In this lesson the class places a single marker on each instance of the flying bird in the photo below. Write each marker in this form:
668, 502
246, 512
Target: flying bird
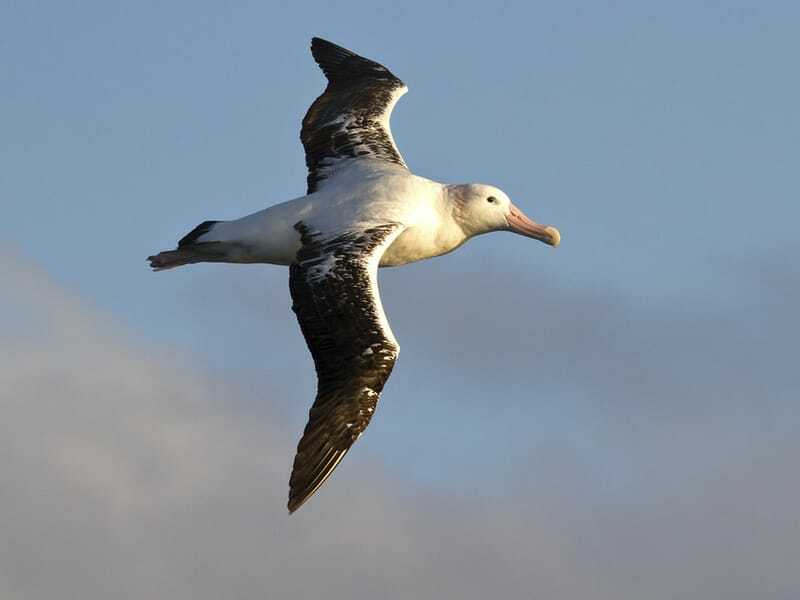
364, 209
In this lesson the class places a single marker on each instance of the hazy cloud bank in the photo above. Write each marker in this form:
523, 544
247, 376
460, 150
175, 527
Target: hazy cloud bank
128, 473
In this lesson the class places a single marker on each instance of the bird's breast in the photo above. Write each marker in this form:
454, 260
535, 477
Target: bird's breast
421, 242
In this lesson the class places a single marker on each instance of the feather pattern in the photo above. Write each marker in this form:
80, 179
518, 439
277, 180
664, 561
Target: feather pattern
350, 120
335, 297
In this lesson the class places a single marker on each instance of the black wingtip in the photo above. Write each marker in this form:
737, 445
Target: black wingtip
297, 500
339, 63
331, 57
322, 47
294, 504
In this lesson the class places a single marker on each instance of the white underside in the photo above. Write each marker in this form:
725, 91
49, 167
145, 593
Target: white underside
363, 193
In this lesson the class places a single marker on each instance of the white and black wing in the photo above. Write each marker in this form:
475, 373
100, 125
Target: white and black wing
351, 118
334, 286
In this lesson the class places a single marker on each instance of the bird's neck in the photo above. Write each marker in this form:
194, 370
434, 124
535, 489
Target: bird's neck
455, 205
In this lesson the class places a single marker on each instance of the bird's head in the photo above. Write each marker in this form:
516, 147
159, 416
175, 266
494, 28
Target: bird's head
480, 208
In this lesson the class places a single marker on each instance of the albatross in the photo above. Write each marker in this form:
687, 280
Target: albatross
363, 209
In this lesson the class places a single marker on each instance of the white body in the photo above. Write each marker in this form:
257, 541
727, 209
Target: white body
365, 193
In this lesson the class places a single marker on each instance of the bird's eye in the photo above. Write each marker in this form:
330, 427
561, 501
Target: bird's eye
491, 200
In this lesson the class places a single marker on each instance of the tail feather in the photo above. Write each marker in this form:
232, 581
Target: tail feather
194, 253
194, 234
169, 259
191, 250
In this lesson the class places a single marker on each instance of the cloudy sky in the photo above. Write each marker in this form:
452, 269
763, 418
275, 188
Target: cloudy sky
616, 418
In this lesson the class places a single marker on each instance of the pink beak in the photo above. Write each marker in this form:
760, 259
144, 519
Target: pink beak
519, 223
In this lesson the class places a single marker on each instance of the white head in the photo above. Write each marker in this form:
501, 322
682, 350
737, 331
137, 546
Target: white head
480, 208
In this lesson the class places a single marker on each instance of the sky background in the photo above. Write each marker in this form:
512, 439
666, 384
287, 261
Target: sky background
616, 418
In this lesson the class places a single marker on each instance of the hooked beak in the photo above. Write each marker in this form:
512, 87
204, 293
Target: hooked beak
519, 223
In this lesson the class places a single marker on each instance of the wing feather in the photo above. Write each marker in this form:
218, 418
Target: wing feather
350, 120
336, 300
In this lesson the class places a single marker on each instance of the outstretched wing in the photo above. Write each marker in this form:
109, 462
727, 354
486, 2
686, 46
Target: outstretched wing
351, 118
335, 295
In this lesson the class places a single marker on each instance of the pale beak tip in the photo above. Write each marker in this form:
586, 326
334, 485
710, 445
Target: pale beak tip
555, 236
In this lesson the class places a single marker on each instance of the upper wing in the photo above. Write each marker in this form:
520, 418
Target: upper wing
351, 118
334, 290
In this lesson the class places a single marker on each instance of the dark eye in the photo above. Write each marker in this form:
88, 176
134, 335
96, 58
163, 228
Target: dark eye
491, 200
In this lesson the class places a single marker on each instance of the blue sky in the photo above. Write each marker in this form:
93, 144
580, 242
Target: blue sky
658, 139
662, 140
